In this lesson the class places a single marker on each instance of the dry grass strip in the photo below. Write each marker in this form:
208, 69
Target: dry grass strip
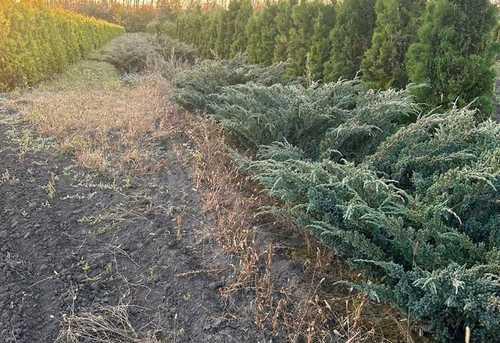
108, 129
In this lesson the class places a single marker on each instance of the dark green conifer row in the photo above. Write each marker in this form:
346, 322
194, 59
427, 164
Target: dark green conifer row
447, 46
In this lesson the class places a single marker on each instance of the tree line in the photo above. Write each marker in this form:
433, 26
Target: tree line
134, 15
37, 41
444, 46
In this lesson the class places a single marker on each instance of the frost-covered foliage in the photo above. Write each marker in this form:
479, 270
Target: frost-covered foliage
437, 239
339, 119
415, 205
435, 144
376, 115
258, 114
258, 107
452, 160
447, 299
364, 216
210, 76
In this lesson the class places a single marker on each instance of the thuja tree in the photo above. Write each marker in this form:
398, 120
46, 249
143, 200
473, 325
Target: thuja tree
320, 46
199, 28
384, 64
207, 45
189, 26
261, 34
303, 17
351, 37
239, 39
454, 54
231, 28
283, 23
224, 33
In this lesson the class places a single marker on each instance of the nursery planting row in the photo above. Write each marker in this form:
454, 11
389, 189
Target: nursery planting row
447, 46
37, 41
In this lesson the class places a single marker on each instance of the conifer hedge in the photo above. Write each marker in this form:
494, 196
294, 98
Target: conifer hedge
445, 45
288, 30
37, 41
350, 38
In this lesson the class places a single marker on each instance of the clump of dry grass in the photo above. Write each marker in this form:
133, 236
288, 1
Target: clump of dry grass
109, 324
105, 128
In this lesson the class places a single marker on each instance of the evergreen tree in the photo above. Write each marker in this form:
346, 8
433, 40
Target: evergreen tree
231, 26
303, 17
350, 38
239, 39
224, 34
210, 34
454, 54
384, 64
319, 52
189, 29
283, 23
261, 35
253, 34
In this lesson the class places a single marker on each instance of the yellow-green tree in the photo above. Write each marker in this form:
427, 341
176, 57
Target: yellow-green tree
37, 41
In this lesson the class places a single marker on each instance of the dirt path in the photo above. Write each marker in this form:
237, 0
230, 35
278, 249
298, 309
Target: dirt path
74, 244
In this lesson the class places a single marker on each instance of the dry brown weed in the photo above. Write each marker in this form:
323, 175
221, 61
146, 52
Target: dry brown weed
110, 324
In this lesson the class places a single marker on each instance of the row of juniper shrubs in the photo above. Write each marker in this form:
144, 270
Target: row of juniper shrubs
411, 202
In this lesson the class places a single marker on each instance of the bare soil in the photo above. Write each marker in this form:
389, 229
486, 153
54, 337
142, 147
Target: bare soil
73, 242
